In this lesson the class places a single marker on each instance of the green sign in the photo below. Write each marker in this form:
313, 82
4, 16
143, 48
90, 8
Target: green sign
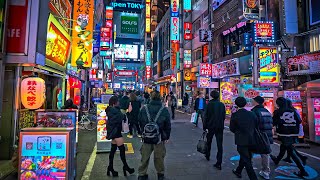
129, 24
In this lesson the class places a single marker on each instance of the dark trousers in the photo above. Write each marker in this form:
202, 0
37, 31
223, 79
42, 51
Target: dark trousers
134, 126
246, 161
219, 139
200, 112
173, 111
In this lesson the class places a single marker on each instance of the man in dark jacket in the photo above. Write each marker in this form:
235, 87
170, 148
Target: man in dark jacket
215, 114
242, 124
265, 125
165, 129
124, 102
199, 107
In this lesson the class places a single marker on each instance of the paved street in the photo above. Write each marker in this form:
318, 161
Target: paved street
183, 162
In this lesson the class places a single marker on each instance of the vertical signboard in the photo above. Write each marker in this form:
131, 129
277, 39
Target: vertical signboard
148, 16
187, 31
82, 34
187, 59
268, 66
148, 64
187, 5
175, 33
316, 106
175, 36
174, 8
62, 8
251, 9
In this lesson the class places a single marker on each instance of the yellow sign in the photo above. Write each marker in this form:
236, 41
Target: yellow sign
269, 66
109, 91
33, 92
82, 33
228, 92
148, 25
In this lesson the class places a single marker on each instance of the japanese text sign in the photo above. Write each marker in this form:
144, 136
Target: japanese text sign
174, 8
204, 82
187, 59
269, 67
174, 32
205, 69
148, 16
188, 31
109, 12
82, 34
263, 32
304, 64
32, 92
58, 42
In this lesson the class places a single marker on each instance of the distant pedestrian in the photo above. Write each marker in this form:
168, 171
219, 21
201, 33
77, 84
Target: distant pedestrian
124, 102
133, 115
172, 103
185, 101
114, 127
146, 98
215, 114
242, 124
265, 124
287, 122
69, 105
155, 119
199, 107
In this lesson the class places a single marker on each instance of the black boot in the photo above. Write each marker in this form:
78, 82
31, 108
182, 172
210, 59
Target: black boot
111, 157
124, 161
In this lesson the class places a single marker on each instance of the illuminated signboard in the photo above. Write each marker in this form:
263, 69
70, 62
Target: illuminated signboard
175, 54
82, 34
148, 72
125, 73
109, 12
205, 35
269, 68
263, 32
32, 92
205, 53
203, 82
148, 58
205, 69
188, 31
62, 8
187, 5
129, 24
187, 59
127, 6
304, 64
174, 8
174, 36
148, 15
58, 42
251, 9
226, 68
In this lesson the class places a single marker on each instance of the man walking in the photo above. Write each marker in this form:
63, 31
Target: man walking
242, 124
265, 124
215, 114
156, 118
199, 107
173, 104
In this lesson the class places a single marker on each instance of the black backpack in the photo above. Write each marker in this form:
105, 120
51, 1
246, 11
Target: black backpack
151, 133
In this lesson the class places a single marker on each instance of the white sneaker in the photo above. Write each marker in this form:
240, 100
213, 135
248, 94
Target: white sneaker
264, 175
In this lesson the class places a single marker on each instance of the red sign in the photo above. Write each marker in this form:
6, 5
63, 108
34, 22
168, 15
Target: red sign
17, 27
148, 72
109, 12
263, 29
188, 31
205, 53
32, 92
205, 69
175, 50
62, 8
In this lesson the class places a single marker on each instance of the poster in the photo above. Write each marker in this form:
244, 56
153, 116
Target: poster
56, 119
205, 69
304, 64
228, 93
101, 122
43, 156
316, 106
204, 82
269, 68
226, 68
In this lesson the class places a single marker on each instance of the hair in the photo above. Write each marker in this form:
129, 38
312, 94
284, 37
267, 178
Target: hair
215, 94
171, 93
146, 95
155, 96
113, 100
289, 105
133, 97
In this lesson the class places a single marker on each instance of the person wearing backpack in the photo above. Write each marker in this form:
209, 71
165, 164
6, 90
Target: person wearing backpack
154, 119
265, 124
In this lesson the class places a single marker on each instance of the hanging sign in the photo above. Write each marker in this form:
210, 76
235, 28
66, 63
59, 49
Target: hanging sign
304, 64
174, 29
205, 69
33, 92
148, 16
263, 32
187, 5
251, 9
174, 8
62, 8
205, 53
226, 68
82, 34
204, 82
187, 59
269, 68
188, 31
205, 35
109, 12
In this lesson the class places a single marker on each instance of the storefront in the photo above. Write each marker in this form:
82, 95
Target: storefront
163, 84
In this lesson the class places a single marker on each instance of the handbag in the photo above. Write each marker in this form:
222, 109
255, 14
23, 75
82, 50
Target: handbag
260, 143
194, 117
202, 145
125, 126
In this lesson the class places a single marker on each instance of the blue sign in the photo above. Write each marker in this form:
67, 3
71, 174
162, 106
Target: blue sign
174, 29
187, 5
127, 6
148, 58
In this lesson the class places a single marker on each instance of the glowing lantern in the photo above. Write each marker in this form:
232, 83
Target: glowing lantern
33, 92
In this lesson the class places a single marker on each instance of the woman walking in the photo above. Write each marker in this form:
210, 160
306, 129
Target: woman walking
114, 127
133, 116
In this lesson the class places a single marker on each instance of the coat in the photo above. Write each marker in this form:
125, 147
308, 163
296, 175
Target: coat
242, 124
133, 115
287, 122
124, 102
196, 104
114, 124
163, 121
215, 114
265, 121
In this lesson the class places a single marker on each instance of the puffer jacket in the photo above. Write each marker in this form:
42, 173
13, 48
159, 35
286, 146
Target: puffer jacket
287, 122
264, 120
163, 121
114, 124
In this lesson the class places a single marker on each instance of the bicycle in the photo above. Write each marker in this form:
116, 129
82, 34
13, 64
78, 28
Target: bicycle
86, 122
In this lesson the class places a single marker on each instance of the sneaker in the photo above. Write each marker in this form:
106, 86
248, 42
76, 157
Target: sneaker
139, 136
129, 136
264, 175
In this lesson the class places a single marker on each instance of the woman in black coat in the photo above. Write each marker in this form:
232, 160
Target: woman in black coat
114, 128
133, 115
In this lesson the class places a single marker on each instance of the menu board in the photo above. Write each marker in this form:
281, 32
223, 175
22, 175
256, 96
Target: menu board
316, 107
102, 122
43, 156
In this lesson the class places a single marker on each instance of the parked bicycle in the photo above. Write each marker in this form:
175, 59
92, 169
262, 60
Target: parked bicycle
88, 121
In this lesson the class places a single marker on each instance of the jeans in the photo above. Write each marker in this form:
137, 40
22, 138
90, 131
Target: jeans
159, 155
201, 113
219, 140
246, 161
265, 163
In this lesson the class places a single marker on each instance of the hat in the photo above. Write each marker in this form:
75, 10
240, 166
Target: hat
259, 99
241, 102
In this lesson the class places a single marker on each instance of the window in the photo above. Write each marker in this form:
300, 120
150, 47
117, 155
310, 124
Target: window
314, 11
314, 43
196, 26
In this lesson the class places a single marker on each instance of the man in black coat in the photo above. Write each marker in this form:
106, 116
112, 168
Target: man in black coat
265, 124
215, 114
242, 124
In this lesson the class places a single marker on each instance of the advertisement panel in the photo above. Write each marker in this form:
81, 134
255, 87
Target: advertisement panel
129, 24
125, 73
148, 58
32, 92
17, 38
102, 122
148, 16
203, 82
226, 68
205, 35
228, 93
187, 63
188, 31
126, 51
304, 64
175, 54
205, 69
187, 6
109, 12
251, 9
174, 7
187, 74
205, 53
316, 106
58, 42
62, 8
174, 33
269, 67
263, 31
83, 33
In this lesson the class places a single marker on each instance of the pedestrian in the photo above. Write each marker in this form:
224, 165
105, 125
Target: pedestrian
199, 107
215, 114
159, 120
69, 105
114, 127
185, 101
287, 122
124, 102
242, 124
265, 124
172, 103
133, 116
146, 98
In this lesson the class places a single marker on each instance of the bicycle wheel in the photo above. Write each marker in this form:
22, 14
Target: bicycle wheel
90, 125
